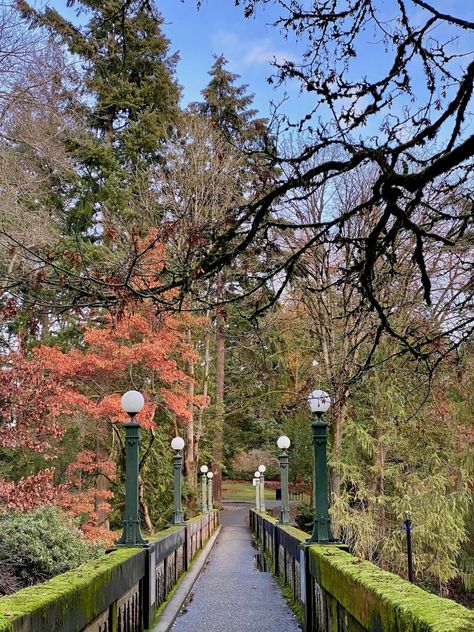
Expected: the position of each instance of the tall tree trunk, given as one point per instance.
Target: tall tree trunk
(143, 506)
(205, 391)
(108, 142)
(218, 451)
(205, 387)
(190, 455)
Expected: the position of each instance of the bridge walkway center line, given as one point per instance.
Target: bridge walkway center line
(231, 595)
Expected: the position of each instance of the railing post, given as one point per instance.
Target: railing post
(257, 494)
(209, 491)
(285, 506)
(204, 493)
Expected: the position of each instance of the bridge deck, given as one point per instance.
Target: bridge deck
(231, 595)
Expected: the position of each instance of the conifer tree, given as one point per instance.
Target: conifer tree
(127, 100)
(229, 108)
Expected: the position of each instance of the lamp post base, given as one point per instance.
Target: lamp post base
(177, 519)
(131, 535)
(321, 533)
(284, 518)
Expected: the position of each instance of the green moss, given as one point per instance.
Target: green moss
(293, 603)
(162, 534)
(79, 586)
(196, 518)
(80, 589)
(370, 594)
(375, 598)
(267, 517)
(299, 535)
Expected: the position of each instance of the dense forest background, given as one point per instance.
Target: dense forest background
(110, 194)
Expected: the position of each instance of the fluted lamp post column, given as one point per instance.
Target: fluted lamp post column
(204, 471)
(177, 445)
(262, 469)
(132, 403)
(284, 443)
(210, 476)
(256, 475)
(319, 403)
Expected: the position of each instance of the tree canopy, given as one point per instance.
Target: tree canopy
(405, 122)
(227, 264)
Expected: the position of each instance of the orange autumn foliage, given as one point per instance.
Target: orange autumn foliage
(140, 350)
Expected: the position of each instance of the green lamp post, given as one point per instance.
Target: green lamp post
(256, 476)
(319, 403)
(204, 471)
(210, 476)
(284, 443)
(262, 469)
(132, 403)
(177, 444)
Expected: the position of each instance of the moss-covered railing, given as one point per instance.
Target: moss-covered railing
(337, 592)
(119, 592)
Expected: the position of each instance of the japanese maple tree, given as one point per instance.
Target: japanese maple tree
(41, 393)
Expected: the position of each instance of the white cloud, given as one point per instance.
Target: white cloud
(241, 52)
(263, 53)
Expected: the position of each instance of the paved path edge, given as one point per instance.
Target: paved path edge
(173, 608)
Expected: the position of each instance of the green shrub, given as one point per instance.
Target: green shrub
(36, 546)
(304, 517)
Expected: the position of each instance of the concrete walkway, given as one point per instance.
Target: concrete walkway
(231, 595)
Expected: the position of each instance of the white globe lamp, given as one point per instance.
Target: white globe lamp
(319, 401)
(132, 402)
(177, 444)
(283, 442)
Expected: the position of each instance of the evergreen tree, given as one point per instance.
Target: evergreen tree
(230, 106)
(127, 101)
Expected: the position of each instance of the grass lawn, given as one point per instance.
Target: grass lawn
(243, 490)
(238, 490)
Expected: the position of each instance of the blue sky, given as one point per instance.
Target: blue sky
(219, 27)
(250, 45)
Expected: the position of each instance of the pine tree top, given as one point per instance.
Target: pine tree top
(229, 105)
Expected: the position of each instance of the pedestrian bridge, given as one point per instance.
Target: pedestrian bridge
(239, 589)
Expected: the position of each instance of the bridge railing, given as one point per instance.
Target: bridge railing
(337, 592)
(119, 592)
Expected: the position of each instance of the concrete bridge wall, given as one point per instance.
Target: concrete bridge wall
(337, 592)
(119, 592)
